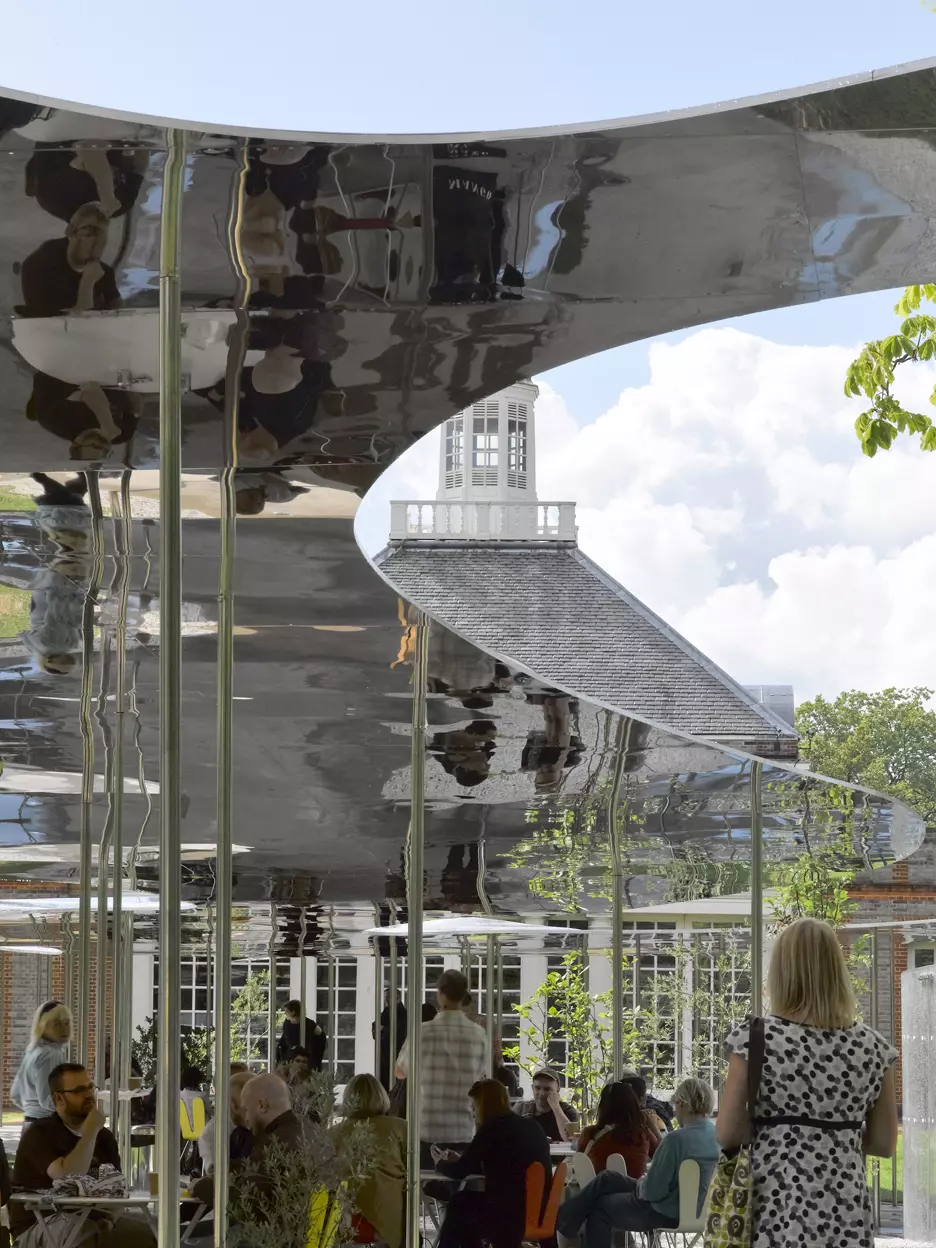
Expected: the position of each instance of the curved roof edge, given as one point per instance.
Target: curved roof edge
(469, 136)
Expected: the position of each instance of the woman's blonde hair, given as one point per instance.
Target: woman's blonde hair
(50, 1012)
(365, 1097)
(808, 981)
(695, 1096)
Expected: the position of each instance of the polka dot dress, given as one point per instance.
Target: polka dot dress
(810, 1189)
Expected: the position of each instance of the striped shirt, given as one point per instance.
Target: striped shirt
(454, 1055)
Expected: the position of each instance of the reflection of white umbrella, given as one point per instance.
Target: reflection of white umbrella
(120, 349)
(470, 925)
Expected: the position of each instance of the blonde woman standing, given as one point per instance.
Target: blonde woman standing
(826, 1100)
(51, 1034)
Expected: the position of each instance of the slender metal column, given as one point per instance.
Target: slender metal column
(120, 513)
(490, 963)
(332, 982)
(394, 997)
(757, 892)
(170, 687)
(68, 964)
(303, 979)
(271, 999)
(85, 868)
(499, 1021)
(378, 1000)
(874, 1021)
(617, 901)
(415, 849)
(224, 859)
(102, 1022)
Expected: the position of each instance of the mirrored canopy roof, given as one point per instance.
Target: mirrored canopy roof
(340, 298)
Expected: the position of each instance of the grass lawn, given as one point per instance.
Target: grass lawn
(11, 501)
(11, 1119)
(14, 610)
(887, 1181)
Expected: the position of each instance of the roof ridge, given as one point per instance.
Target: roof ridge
(691, 651)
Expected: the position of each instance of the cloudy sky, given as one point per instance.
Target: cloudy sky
(725, 487)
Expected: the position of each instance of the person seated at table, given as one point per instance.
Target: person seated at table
(658, 1113)
(266, 1108)
(379, 1200)
(615, 1202)
(503, 1147)
(557, 1118)
(621, 1127)
(241, 1139)
(74, 1140)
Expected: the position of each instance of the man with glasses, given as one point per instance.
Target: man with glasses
(74, 1140)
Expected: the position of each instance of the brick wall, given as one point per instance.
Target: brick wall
(26, 980)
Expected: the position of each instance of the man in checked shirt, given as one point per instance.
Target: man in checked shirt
(454, 1056)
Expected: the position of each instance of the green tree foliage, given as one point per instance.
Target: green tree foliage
(872, 376)
(884, 741)
(248, 1016)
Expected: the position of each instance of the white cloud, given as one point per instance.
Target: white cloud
(730, 493)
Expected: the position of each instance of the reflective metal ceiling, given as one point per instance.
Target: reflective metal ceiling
(388, 284)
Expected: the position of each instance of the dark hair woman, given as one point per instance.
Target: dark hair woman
(621, 1127)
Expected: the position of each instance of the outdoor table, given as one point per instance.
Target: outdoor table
(41, 1203)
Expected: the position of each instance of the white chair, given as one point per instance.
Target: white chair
(580, 1170)
(617, 1163)
(691, 1223)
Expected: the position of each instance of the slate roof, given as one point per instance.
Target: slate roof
(549, 609)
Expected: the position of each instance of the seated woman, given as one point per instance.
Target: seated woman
(615, 1202)
(622, 1127)
(379, 1200)
(503, 1147)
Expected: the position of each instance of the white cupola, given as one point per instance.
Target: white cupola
(487, 480)
(488, 451)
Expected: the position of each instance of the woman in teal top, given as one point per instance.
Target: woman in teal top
(615, 1202)
(51, 1033)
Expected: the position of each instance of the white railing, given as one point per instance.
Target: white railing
(496, 521)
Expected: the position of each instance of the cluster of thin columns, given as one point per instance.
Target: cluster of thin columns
(112, 847)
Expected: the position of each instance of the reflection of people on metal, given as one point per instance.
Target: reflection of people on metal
(253, 490)
(89, 417)
(67, 274)
(59, 591)
(557, 748)
(280, 395)
(460, 876)
(465, 753)
(469, 221)
(63, 179)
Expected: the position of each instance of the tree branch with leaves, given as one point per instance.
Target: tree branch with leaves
(874, 373)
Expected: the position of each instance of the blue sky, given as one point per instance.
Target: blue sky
(424, 65)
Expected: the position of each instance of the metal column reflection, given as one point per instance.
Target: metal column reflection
(303, 980)
(490, 965)
(85, 868)
(224, 858)
(170, 688)
(121, 991)
(237, 353)
(757, 892)
(332, 1029)
(393, 996)
(617, 900)
(415, 848)
(271, 999)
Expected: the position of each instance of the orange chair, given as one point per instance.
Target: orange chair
(540, 1222)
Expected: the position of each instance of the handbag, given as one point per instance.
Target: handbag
(728, 1213)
